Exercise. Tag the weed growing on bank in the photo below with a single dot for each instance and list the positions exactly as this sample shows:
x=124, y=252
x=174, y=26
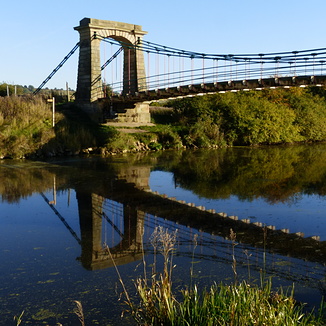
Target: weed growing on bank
x=74, y=133
x=236, y=304
x=26, y=129
x=25, y=125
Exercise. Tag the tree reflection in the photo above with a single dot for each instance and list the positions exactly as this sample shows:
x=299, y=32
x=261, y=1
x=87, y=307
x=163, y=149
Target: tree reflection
x=277, y=174
x=18, y=180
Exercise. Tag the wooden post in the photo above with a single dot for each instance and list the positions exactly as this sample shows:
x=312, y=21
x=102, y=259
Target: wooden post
x=53, y=110
x=68, y=95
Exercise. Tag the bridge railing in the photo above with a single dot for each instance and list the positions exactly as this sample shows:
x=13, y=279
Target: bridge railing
x=168, y=68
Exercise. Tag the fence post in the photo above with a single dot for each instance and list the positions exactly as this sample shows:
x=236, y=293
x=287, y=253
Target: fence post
x=53, y=110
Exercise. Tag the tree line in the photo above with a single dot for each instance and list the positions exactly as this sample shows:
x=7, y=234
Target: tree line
x=11, y=89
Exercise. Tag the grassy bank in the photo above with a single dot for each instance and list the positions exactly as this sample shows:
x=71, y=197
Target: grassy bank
x=244, y=118
x=251, y=118
x=278, y=116
x=26, y=129
x=25, y=125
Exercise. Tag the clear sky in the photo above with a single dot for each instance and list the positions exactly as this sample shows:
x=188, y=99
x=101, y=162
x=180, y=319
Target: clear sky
x=37, y=34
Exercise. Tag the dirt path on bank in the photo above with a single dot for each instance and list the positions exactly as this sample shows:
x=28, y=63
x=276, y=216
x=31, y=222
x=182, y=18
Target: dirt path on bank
x=129, y=127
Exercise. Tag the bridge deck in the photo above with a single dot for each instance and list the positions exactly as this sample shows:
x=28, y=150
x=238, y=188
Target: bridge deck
x=220, y=87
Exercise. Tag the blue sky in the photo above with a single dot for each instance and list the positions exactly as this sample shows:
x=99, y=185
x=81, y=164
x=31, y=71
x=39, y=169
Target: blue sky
x=36, y=35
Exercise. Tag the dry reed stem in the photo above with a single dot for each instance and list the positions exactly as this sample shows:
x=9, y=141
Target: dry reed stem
x=79, y=312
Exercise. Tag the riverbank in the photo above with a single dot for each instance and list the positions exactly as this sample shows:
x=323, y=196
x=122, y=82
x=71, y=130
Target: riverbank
x=266, y=117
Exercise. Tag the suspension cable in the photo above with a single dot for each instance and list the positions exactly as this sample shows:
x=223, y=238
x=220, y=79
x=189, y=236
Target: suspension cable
x=254, y=58
x=57, y=68
x=296, y=59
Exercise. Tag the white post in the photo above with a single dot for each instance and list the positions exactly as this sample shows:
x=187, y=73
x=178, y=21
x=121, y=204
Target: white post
x=8, y=90
x=68, y=95
x=53, y=111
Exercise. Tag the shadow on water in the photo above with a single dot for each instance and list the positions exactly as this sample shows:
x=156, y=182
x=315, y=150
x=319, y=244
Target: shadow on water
x=117, y=209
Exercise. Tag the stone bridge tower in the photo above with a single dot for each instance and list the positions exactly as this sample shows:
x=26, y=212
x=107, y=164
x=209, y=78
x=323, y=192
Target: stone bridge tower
x=89, y=81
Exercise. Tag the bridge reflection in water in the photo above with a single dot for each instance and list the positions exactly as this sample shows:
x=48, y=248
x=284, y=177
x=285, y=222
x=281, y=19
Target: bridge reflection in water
x=115, y=209
x=94, y=211
x=131, y=211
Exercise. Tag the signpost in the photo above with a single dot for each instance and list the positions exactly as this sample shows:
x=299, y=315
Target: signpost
x=52, y=100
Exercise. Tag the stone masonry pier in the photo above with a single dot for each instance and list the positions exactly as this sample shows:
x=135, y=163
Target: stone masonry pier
x=89, y=80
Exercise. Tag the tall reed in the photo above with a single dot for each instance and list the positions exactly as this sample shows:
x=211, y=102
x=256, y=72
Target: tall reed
x=238, y=304
x=25, y=125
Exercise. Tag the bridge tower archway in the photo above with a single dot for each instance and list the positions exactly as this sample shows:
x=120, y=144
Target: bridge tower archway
x=89, y=81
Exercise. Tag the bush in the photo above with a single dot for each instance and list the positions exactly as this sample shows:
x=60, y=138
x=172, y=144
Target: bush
x=310, y=113
x=120, y=142
x=25, y=125
x=256, y=120
x=204, y=133
x=252, y=118
x=167, y=137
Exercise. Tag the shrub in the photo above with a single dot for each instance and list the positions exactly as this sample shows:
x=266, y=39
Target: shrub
x=188, y=111
x=204, y=133
x=25, y=125
x=168, y=138
x=255, y=117
x=310, y=112
x=256, y=120
x=120, y=142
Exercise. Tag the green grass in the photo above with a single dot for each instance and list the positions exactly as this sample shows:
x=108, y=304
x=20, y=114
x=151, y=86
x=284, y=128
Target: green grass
x=25, y=125
x=240, y=304
x=26, y=129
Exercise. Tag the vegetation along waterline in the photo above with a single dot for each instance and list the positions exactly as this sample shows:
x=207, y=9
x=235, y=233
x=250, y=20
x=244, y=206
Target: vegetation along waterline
x=275, y=116
x=237, y=304
x=158, y=302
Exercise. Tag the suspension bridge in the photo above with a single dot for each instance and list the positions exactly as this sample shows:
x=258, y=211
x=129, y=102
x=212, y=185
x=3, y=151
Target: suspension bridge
x=139, y=71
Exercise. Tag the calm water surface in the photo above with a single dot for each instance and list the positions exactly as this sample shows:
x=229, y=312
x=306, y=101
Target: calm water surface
x=58, y=218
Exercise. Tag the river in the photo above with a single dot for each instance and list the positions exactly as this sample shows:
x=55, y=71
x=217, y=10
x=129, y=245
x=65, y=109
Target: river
x=62, y=221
